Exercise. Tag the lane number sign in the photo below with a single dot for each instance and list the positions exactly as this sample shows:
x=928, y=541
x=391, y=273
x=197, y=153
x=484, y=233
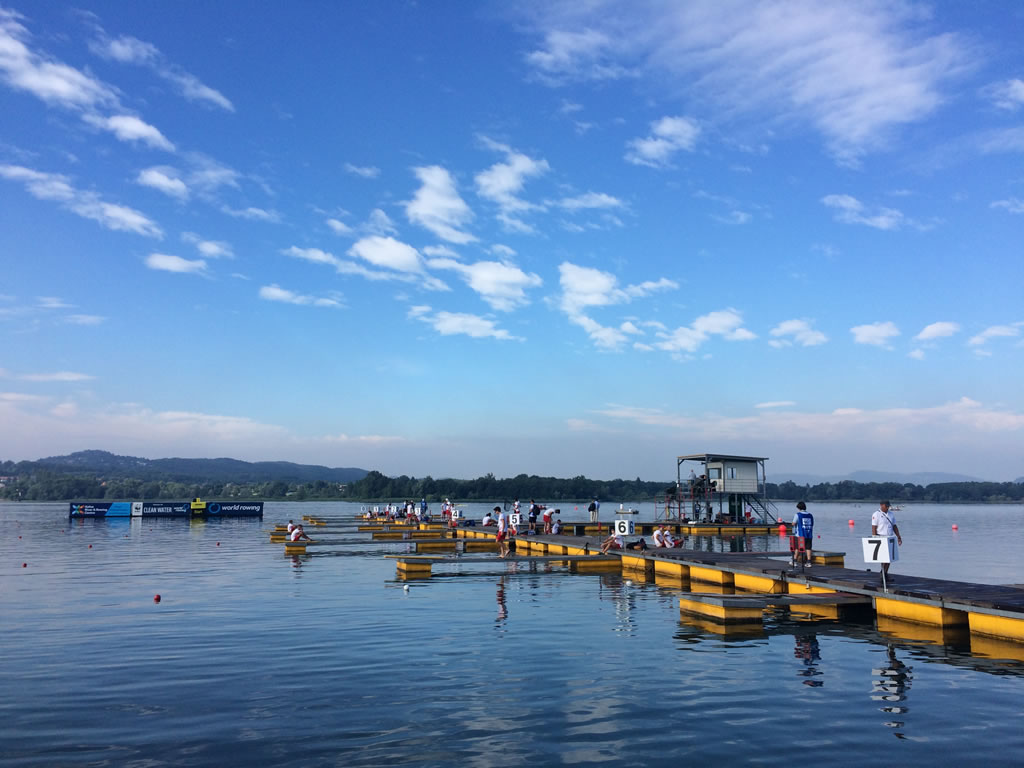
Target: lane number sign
x=880, y=549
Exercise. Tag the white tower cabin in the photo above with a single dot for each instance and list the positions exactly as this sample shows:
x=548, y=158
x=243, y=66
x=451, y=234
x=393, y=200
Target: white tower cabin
x=718, y=487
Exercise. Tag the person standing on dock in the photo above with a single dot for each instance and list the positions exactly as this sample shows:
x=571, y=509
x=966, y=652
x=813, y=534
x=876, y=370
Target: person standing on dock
x=593, y=509
x=502, y=534
x=883, y=523
x=803, y=535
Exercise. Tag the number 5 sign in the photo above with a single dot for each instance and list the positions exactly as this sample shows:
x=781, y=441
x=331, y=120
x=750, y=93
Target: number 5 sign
x=881, y=549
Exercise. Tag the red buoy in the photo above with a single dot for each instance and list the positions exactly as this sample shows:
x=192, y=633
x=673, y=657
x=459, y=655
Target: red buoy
x=156, y=598
x=24, y=565
x=90, y=546
x=218, y=543
x=851, y=523
x=956, y=527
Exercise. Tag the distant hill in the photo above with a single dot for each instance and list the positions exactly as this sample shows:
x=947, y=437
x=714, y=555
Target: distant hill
x=875, y=476
x=104, y=463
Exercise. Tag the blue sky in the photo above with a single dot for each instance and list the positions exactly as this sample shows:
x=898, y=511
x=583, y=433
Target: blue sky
x=557, y=237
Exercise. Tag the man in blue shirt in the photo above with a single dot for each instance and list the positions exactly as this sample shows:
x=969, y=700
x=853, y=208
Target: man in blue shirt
x=803, y=533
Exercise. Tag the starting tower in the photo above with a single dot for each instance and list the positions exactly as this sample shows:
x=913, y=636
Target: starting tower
x=716, y=487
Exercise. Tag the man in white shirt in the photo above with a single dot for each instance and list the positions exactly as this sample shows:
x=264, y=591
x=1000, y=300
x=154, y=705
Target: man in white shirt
x=502, y=534
x=659, y=536
x=488, y=520
x=883, y=523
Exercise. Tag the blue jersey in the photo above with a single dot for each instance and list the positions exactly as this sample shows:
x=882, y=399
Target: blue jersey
x=804, y=525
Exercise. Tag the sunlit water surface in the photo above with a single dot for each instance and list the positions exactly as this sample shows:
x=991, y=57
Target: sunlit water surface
x=255, y=658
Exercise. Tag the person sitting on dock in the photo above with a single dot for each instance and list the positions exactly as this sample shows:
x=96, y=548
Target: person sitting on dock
x=291, y=526
x=612, y=542
x=641, y=545
x=671, y=541
x=488, y=519
x=501, y=536
x=556, y=527
x=298, y=534
x=659, y=536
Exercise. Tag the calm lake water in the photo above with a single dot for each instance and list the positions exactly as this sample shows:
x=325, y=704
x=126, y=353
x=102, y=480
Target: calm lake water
x=255, y=658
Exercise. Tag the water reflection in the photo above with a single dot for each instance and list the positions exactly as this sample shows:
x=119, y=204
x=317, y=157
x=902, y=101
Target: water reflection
x=502, y=605
x=890, y=686
x=806, y=649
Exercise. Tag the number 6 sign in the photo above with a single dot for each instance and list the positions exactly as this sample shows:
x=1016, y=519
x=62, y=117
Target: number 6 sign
x=881, y=549
x=624, y=527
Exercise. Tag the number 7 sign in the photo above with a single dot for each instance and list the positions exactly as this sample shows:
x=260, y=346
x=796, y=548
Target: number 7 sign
x=880, y=549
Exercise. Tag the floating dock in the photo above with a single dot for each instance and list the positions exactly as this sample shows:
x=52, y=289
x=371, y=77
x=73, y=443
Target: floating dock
x=735, y=588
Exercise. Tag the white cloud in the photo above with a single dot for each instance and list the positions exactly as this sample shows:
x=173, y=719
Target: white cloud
x=366, y=171
x=800, y=332
x=937, y=331
x=850, y=210
x=668, y=136
x=437, y=206
x=314, y=255
x=211, y=249
x=964, y=418
x=84, y=319
x=854, y=71
x=52, y=302
x=88, y=205
x=776, y=404
x=164, y=180
x=388, y=253
x=875, y=334
x=63, y=376
x=131, y=128
x=1013, y=205
x=584, y=287
x=460, y=323
x=339, y=227
x=131, y=50
x=995, y=332
x=49, y=80
x=588, y=201
x=1008, y=94
x=916, y=354
x=127, y=50
x=168, y=263
x=274, y=292
x=500, y=284
x=379, y=223
x=572, y=55
x=503, y=182
x=727, y=323
x=252, y=214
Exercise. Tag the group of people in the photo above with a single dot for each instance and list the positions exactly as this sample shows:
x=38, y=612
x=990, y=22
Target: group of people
x=883, y=523
x=506, y=529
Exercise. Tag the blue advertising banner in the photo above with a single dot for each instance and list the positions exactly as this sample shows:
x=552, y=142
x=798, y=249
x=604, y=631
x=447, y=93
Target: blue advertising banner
x=166, y=509
x=235, y=508
x=101, y=509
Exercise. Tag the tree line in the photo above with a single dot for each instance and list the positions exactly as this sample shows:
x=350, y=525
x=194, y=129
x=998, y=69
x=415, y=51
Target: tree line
x=46, y=485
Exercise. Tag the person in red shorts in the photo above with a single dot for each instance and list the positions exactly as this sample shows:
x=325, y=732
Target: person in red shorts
x=502, y=535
